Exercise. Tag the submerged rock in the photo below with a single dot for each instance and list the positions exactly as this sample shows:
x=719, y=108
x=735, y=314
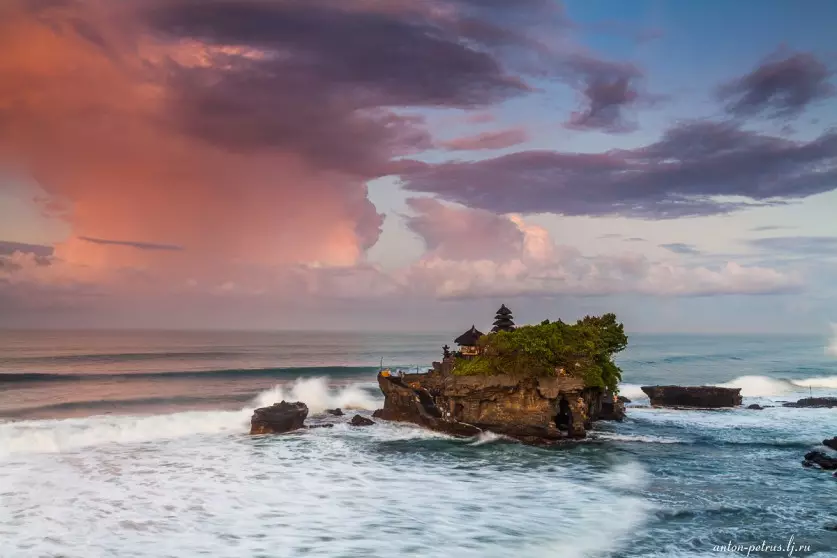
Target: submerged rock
x=821, y=460
x=338, y=412
x=358, y=420
x=813, y=402
x=539, y=411
x=700, y=397
x=279, y=418
x=830, y=443
x=755, y=407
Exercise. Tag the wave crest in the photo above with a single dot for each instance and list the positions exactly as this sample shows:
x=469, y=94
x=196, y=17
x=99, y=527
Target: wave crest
x=56, y=436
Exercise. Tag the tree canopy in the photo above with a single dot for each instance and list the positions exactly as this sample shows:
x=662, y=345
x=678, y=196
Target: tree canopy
x=584, y=349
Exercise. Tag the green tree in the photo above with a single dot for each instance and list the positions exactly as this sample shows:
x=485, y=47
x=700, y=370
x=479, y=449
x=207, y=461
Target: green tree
x=584, y=349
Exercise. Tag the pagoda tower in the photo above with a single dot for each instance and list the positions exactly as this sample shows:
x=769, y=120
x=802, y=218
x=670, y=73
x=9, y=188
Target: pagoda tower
x=503, y=320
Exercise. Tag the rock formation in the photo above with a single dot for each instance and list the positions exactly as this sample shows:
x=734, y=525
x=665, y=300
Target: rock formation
x=278, y=418
x=813, y=402
x=821, y=460
x=358, y=420
x=532, y=410
x=755, y=407
x=830, y=443
x=700, y=397
x=338, y=412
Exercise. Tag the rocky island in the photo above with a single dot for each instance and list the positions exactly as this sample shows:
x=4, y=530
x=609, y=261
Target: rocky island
x=693, y=397
x=540, y=384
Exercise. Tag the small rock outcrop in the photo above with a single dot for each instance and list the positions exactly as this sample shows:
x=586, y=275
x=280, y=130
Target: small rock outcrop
x=813, y=402
x=830, y=443
x=755, y=407
x=698, y=397
x=821, y=460
x=358, y=420
x=278, y=418
x=338, y=412
x=612, y=408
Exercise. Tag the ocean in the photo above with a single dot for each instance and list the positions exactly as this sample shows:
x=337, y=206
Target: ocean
x=134, y=444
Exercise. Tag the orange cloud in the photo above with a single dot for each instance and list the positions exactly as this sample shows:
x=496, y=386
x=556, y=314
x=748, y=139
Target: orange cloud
x=84, y=102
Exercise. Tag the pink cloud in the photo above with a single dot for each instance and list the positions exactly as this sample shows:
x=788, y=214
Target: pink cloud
x=499, y=139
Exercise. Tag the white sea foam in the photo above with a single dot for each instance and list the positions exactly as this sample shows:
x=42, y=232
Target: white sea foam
x=763, y=386
x=318, y=396
x=632, y=391
x=54, y=436
x=636, y=438
x=831, y=349
x=489, y=437
x=601, y=530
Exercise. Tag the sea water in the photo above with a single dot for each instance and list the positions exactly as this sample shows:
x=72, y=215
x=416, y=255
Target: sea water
x=134, y=444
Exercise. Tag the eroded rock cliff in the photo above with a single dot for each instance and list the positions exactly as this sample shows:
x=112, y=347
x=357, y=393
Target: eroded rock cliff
x=532, y=410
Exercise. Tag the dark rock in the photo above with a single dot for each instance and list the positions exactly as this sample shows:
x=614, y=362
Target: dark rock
x=611, y=408
x=278, y=418
x=623, y=399
x=821, y=460
x=378, y=413
x=830, y=526
x=755, y=407
x=325, y=425
x=700, y=397
x=813, y=402
x=358, y=420
x=830, y=443
x=539, y=411
x=336, y=412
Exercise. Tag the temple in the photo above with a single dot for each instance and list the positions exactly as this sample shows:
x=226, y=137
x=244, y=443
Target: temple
x=533, y=409
x=503, y=321
x=469, y=342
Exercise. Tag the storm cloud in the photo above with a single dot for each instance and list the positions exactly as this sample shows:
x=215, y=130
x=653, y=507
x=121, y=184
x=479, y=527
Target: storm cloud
x=685, y=173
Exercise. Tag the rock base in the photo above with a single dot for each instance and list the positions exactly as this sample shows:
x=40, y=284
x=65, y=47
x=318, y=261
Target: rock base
x=696, y=397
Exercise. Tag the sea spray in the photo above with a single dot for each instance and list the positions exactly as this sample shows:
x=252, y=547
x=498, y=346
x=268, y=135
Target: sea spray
x=831, y=349
x=318, y=396
x=58, y=436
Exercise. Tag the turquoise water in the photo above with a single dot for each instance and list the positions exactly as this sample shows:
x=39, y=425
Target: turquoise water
x=134, y=444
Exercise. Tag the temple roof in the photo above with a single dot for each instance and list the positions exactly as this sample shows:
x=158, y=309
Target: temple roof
x=469, y=338
x=503, y=311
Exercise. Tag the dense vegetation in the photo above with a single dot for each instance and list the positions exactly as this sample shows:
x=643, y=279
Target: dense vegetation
x=584, y=349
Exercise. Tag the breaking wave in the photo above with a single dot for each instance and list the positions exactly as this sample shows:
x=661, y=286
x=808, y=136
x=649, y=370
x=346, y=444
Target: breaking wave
x=763, y=386
x=55, y=436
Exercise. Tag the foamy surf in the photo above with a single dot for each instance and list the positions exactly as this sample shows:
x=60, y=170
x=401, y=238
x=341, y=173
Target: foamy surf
x=57, y=436
x=318, y=396
x=763, y=386
x=636, y=438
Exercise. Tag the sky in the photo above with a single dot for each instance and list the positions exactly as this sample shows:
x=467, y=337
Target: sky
x=410, y=165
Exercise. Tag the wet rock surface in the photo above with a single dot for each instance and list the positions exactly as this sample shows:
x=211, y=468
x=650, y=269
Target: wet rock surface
x=821, y=460
x=813, y=402
x=699, y=397
x=279, y=418
x=358, y=420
